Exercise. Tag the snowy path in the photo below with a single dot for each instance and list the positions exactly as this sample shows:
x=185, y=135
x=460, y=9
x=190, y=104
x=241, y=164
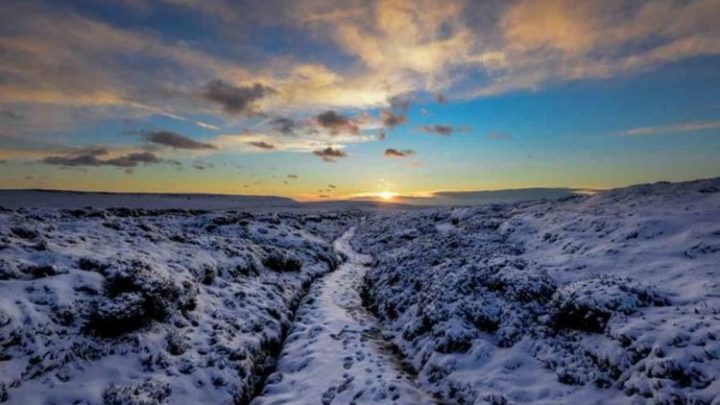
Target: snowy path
x=334, y=353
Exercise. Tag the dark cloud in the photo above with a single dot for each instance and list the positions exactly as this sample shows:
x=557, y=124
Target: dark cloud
x=332, y=186
x=440, y=98
x=397, y=113
x=202, y=165
x=284, y=125
x=133, y=159
x=262, y=145
x=3, y=161
x=336, y=123
x=10, y=114
x=381, y=135
x=79, y=160
x=177, y=141
x=93, y=157
x=82, y=157
x=443, y=130
x=400, y=103
x=292, y=176
x=329, y=154
x=391, y=119
x=394, y=153
x=236, y=100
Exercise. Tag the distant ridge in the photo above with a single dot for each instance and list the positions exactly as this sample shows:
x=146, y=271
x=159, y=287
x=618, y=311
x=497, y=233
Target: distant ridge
x=77, y=199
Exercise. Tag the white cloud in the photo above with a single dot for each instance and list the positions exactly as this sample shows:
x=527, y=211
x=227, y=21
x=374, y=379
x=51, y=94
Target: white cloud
x=673, y=128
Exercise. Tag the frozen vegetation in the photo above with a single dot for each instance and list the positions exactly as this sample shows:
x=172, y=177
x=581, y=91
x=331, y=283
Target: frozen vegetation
x=133, y=306
x=611, y=298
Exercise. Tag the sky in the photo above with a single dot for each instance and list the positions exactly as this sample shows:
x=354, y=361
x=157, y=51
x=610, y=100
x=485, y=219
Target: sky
x=323, y=99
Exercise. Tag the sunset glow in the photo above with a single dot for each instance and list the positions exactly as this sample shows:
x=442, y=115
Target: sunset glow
x=386, y=195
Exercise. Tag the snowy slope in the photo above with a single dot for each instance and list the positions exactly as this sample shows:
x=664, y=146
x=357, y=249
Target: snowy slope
x=612, y=298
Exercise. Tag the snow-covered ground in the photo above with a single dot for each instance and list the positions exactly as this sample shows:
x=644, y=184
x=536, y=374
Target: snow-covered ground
x=148, y=306
x=611, y=298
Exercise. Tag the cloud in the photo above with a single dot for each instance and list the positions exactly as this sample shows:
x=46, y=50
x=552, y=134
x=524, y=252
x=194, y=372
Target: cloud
x=206, y=125
x=292, y=176
x=14, y=115
x=330, y=154
x=391, y=120
x=237, y=100
x=308, y=142
x=64, y=67
x=59, y=56
x=561, y=40
x=177, y=141
x=673, y=128
x=443, y=130
x=262, y=145
x=400, y=102
x=336, y=123
x=284, y=125
x=98, y=156
x=394, y=153
x=133, y=159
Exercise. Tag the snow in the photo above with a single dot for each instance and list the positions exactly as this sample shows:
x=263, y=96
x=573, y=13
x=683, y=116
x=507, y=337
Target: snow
x=610, y=298
x=135, y=306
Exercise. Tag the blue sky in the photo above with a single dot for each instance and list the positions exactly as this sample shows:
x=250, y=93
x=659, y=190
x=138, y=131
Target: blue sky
x=316, y=99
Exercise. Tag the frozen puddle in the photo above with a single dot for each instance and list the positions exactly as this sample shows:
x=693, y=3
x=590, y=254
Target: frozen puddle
x=333, y=354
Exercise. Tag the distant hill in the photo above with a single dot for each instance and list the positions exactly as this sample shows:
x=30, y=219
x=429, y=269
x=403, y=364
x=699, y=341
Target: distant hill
x=76, y=199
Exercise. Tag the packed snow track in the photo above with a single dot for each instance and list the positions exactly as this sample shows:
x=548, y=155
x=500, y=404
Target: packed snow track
x=334, y=352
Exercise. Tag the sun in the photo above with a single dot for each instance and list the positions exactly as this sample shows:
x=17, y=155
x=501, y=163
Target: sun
x=386, y=195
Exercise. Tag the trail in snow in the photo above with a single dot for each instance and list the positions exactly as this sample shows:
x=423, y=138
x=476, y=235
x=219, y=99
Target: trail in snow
x=334, y=353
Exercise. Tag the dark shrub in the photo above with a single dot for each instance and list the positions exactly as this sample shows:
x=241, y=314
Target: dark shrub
x=177, y=343
x=88, y=264
x=523, y=285
x=41, y=271
x=588, y=304
x=277, y=261
x=151, y=392
x=119, y=315
x=145, y=294
x=24, y=233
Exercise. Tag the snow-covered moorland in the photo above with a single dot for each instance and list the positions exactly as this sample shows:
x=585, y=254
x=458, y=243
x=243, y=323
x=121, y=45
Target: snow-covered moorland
x=138, y=306
x=613, y=298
